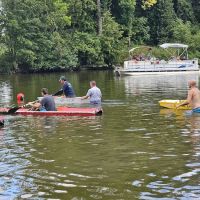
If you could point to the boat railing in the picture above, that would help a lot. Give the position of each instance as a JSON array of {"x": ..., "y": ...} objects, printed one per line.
[{"x": 161, "y": 65}]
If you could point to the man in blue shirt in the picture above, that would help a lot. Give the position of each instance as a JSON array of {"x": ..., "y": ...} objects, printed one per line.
[{"x": 67, "y": 87}]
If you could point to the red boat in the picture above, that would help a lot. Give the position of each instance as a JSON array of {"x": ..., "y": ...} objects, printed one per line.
[{"x": 61, "y": 111}]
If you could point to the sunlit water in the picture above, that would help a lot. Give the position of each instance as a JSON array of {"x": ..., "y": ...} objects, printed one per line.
[{"x": 135, "y": 150}]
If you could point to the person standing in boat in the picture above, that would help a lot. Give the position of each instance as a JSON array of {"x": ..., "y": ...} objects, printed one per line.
[
  {"x": 94, "y": 94},
  {"x": 193, "y": 98},
  {"x": 67, "y": 88},
  {"x": 47, "y": 103}
]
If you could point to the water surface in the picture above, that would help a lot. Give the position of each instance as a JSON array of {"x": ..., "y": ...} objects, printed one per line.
[{"x": 135, "y": 150}]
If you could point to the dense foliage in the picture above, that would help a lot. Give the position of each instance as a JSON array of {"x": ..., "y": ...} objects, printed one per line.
[{"x": 50, "y": 35}]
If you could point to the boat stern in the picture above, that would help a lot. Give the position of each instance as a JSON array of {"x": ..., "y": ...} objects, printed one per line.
[{"x": 1, "y": 121}]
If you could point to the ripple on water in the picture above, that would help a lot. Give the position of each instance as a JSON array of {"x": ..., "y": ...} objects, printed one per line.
[
  {"x": 26, "y": 196},
  {"x": 60, "y": 191},
  {"x": 151, "y": 174},
  {"x": 193, "y": 165},
  {"x": 137, "y": 183},
  {"x": 68, "y": 185},
  {"x": 183, "y": 177},
  {"x": 79, "y": 175}
]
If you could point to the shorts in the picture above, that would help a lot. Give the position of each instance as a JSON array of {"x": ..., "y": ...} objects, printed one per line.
[
  {"x": 43, "y": 109},
  {"x": 95, "y": 104},
  {"x": 196, "y": 110}
]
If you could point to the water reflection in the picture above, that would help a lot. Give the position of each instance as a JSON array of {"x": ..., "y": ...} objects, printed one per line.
[
  {"x": 167, "y": 85},
  {"x": 27, "y": 157},
  {"x": 6, "y": 93}
]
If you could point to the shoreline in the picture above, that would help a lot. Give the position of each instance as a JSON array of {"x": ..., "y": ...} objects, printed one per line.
[{"x": 78, "y": 69}]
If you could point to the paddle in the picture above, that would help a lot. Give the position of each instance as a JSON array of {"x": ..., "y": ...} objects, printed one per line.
[
  {"x": 14, "y": 109},
  {"x": 60, "y": 92}
]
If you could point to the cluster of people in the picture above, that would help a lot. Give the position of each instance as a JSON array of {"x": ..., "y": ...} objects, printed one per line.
[
  {"x": 48, "y": 104},
  {"x": 94, "y": 94}
]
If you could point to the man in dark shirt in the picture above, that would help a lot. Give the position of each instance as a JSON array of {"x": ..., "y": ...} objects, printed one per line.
[
  {"x": 47, "y": 103},
  {"x": 67, "y": 87}
]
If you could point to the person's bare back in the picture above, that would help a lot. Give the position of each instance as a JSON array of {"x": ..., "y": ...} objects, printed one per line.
[{"x": 193, "y": 98}]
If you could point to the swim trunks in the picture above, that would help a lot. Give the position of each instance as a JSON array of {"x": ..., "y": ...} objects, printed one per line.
[{"x": 196, "y": 110}]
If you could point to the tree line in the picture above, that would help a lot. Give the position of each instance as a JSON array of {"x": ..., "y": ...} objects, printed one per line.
[{"x": 55, "y": 35}]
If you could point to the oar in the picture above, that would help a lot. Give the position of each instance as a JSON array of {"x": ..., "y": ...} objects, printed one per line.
[
  {"x": 14, "y": 109},
  {"x": 60, "y": 92}
]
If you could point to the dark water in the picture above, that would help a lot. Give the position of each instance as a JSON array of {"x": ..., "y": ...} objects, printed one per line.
[{"x": 135, "y": 150}]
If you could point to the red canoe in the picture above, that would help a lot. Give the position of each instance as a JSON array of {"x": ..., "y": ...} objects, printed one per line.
[{"x": 61, "y": 111}]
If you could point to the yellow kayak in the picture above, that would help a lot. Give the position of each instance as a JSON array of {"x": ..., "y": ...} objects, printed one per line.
[{"x": 173, "y": 103}]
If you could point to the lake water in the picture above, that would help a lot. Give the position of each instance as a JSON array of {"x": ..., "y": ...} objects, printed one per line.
[{"x": 135, "y": 150}]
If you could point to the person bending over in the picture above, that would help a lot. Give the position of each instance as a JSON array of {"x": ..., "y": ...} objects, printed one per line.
[{"x": 66, "y": 87}]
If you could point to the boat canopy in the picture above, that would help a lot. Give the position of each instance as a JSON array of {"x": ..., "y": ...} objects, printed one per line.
[
  {"x": 173, "y": 45},
  {"x": 133, "y": 49}
]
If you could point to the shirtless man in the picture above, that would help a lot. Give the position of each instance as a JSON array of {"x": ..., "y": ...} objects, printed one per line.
[{"x": 193, "y": 98}]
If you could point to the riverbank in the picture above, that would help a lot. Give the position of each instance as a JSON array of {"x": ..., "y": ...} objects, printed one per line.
[{"x": 70, "y": 69}]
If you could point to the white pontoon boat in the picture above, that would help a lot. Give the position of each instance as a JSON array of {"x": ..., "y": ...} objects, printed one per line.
[{"x": 150, "y": 65}]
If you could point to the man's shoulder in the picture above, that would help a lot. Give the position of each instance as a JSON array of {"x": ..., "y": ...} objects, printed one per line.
[
  {"x": 98, "y": 89},
  {"x": 195, "y": 90},
  {"x": 47, "y": 97},
  {"x": 95, "y": 88}
]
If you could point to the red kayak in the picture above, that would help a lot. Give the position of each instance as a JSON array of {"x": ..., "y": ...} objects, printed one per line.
[{"x": 61, "y": 111}]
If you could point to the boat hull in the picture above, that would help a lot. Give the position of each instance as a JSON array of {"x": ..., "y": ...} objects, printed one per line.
[
  {"x": 1, "y": 121},
  {"x": 128, "y": 73},
  {"x": 64, "y": 101},
  {"x": 171, "y": 104},
  {"x": 61, "y": 111},
  {"x": 133, "y": 67}
]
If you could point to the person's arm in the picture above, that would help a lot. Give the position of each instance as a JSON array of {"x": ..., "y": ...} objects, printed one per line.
[
  {"x": 36, "y": 105},
  {"x": 187, "y": 101},
  {"x": 84, "y": 97},
  {"x": 87, "y": 95},
  {"x": 60, "y": 92}
]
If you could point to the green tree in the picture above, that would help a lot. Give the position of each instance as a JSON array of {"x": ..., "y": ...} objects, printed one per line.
[
  {"x": 28, "y": 29},
  {"x": 161, "y": 18},
  {"x": 184, "y": 10},
  {"x": 196, "y": 9},
  {"x": 49, "y": 35},
  {"x": 112, "y": 44}
]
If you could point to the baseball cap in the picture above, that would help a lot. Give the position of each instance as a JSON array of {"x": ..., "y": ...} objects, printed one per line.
[{"x": 62, "y": 78}]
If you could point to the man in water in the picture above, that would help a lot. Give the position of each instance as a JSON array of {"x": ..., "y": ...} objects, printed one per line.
[
  {"x": 94, "y": 93},
  {"x": 193, "y": 98},
  {"x": 47, "y": 103},
  {"x": 66, "y": 87}
]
